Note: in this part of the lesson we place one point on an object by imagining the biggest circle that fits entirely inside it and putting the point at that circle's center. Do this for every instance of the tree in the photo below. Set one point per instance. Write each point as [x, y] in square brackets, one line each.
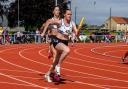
[32, 12]
[3, 0]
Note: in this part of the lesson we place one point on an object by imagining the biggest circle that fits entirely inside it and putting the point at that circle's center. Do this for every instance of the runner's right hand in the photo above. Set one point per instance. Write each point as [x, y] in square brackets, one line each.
[42, 34]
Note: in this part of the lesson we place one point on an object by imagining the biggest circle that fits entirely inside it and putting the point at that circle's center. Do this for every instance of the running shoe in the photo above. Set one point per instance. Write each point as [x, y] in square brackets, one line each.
[47, 77]
[57, 69]
[56, 78]
[123, 60]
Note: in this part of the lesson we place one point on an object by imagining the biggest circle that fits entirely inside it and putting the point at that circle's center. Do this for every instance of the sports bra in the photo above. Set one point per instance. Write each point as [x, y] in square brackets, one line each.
[53, 25]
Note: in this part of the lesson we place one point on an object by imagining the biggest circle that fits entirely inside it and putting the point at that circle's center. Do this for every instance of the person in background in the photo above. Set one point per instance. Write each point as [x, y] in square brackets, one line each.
[37, 36]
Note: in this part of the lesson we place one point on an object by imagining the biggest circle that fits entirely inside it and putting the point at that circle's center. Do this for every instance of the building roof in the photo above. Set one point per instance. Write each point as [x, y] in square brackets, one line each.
[120, 20]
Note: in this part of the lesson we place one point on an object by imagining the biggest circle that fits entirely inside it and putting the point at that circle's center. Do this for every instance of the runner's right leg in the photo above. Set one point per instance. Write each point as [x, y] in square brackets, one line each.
[124, 57]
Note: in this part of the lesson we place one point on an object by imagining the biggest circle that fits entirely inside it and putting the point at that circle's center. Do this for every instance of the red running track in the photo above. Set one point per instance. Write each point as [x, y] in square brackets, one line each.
[89, 66]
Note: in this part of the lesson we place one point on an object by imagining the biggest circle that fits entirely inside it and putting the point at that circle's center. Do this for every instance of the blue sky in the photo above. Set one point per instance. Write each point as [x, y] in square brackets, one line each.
[98, 13]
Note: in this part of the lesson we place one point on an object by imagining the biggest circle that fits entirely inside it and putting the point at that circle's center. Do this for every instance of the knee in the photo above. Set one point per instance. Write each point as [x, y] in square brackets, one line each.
[54, 53]
[67, 50]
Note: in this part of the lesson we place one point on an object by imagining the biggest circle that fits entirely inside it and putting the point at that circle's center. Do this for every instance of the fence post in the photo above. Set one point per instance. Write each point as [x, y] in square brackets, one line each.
[116, 38]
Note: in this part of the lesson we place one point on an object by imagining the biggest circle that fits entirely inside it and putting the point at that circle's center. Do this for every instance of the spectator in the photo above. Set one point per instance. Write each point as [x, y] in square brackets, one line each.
[126, 37]
[1, 31]
[5, 36]
[37, 36]
[92, 38]
[19, 36]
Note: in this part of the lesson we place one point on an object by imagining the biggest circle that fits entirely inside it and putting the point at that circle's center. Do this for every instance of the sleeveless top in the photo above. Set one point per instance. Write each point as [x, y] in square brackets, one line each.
[65, 29]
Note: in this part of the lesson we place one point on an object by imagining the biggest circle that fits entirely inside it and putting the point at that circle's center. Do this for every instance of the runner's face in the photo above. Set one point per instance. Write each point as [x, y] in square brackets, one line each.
[56, 11]
[68, 15]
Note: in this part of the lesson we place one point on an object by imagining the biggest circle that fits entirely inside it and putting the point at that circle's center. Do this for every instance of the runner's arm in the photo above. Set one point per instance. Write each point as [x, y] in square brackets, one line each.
[74, 28]
[45, 27]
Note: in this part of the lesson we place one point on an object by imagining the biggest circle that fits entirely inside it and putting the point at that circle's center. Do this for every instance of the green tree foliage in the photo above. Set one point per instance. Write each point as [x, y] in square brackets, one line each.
[32, 12]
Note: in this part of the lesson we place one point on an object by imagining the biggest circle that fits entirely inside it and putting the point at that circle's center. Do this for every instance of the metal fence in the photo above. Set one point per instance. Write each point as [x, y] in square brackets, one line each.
[37, 39]
[103, 38]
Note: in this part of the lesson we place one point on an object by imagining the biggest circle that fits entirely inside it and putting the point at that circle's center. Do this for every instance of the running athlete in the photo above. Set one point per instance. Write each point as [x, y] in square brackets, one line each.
[124, 57]
[60, 42]
[126, 54]
[52, 32]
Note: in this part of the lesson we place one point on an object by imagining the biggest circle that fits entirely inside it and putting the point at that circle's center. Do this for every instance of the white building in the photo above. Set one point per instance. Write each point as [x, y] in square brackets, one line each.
[117, 23]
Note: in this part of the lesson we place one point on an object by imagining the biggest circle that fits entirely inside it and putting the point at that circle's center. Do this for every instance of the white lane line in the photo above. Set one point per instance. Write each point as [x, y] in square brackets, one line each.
[78, 59]
[17, 71]
[90, 67]
[32, 84]
[97, 68]
[63, 75]
[106, 53]
[25, 77]
[109, 87]
[11, 49]
[87, 73]
[41, 78]
[78, 53]
[66, 75]
[100, 59]
[15, 84]
[102, 86]
[94, 85]
[20, 53]
[20, 66]
[94, 50]
[16, 64]
[20, 72]
[43, 73]
[91, 61]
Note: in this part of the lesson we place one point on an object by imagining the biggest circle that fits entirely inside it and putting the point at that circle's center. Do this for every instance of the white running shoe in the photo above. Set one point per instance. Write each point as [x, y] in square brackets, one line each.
[47, 77]
[57, 68]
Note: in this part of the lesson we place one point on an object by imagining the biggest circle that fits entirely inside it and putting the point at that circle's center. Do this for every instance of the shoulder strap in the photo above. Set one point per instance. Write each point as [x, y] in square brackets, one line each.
[62, 22]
